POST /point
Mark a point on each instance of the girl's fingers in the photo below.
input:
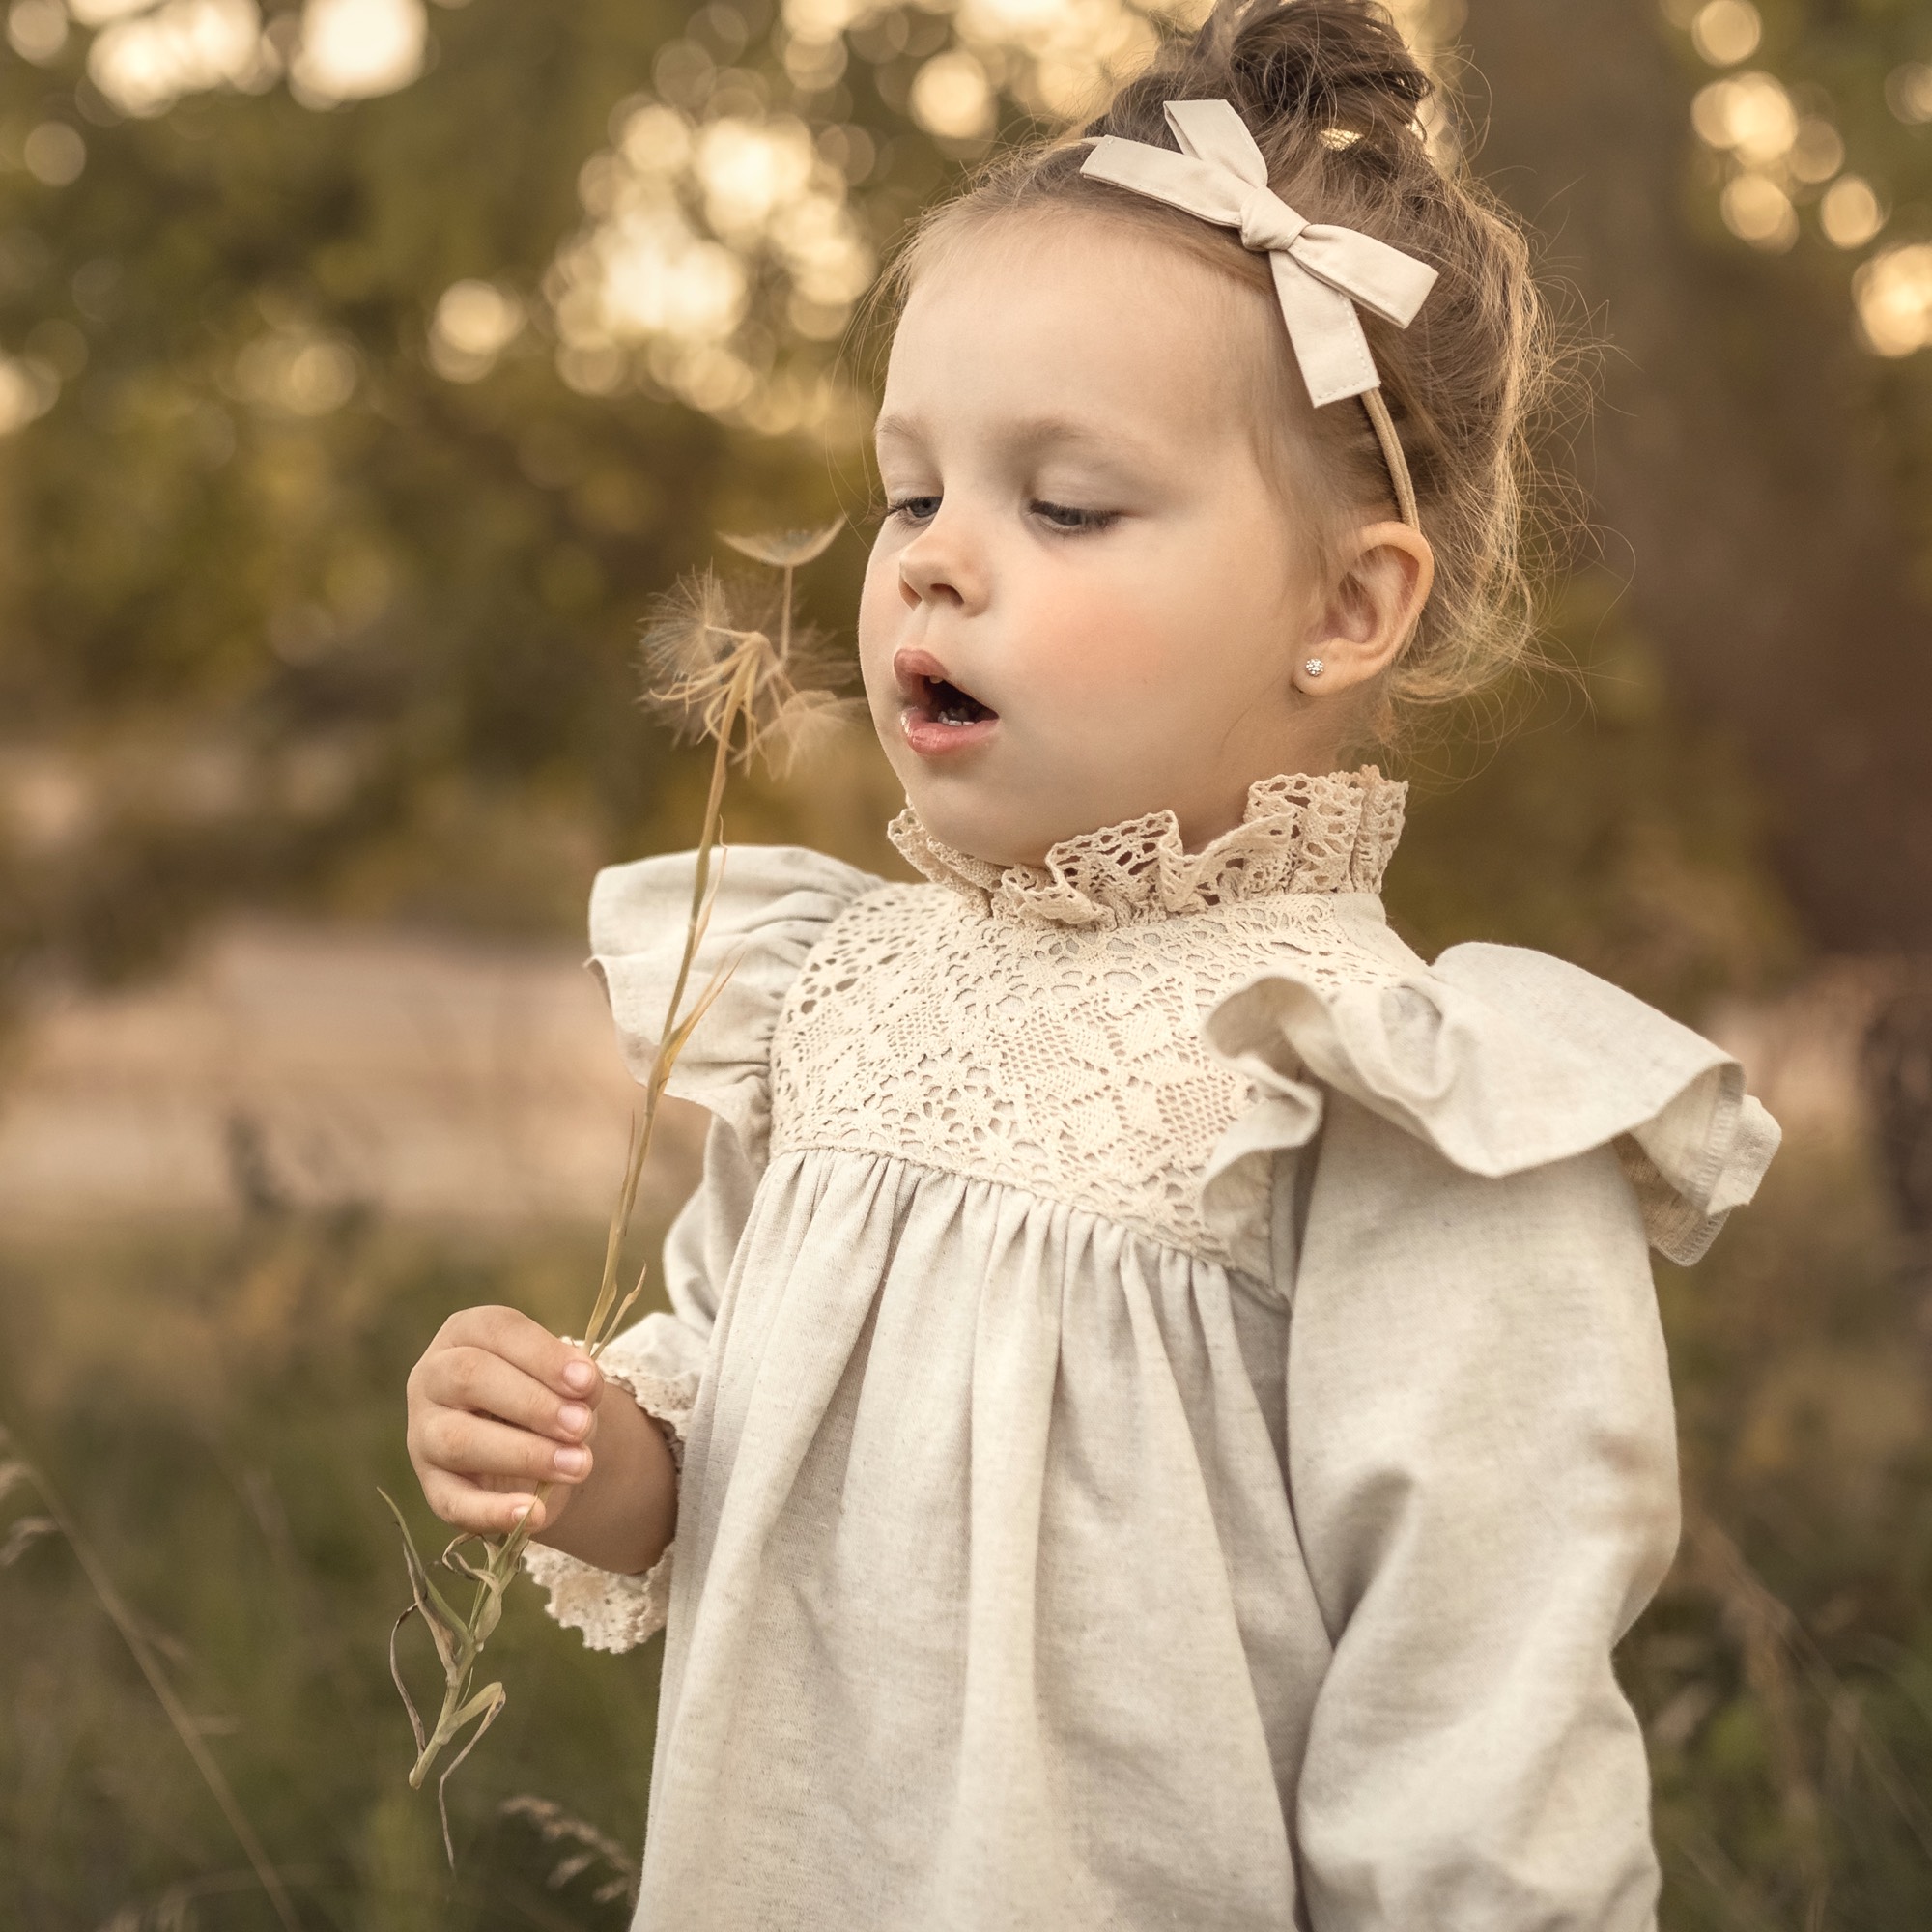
(469, 1377)
(467, 1505)
(560, 1366)
(454, 1440)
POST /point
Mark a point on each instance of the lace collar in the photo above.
(1333, 832)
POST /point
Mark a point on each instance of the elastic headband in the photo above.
(1321, 272)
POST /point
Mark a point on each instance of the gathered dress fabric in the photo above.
(1171, 1407)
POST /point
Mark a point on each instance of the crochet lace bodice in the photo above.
(1039, 1026)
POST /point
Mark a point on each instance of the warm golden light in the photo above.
(1849, 214)
(1750, 115)
(1893, 291)
(473, 324)
(951, 97)
(1726, 32)
(145, 62)
(1757, 211)
(351, 49)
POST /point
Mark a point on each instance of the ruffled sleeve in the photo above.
(772, 906)
(1502, 1059)
(1482, 1451)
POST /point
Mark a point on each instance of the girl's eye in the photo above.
(914, 509)
(1064, 517)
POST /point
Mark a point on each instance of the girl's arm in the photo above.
(1483, 1464)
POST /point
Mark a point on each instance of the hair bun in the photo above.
(1341, 63)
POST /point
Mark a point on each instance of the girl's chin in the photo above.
(979, 822)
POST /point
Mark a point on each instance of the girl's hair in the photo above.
(1333, 97)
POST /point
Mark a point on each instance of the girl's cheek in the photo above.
(880, 609)
(1102, 646)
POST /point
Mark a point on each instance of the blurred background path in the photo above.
(444, 1081)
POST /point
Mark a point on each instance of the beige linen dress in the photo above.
(1173, 1411)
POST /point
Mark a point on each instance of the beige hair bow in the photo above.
(1321, 273)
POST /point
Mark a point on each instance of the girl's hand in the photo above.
(498, 1405)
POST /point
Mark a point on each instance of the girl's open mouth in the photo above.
(939, 716)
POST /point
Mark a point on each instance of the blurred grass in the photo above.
(219, 1407)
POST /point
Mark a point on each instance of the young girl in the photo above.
(1163, 1415)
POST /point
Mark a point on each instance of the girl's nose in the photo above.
(936, 568)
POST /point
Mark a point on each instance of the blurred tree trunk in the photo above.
(1737, 453)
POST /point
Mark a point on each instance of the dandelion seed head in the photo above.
(724, 661)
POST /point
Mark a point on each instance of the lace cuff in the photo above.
(613, 1611)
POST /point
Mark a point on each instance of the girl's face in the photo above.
(1087, 602)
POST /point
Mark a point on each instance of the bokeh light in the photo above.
(1750, 116)
(296, 372)
(1894, 292)
(55, 154)
(37, 30)
(1726, 32)
(1907, 91)
(473, 324)
(707, 241)
(145, 61)
(1818, 152)
(354, 49)
(1758, 210)
(952, 97)
(1850, 212)
(28, 388)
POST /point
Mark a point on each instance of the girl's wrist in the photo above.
(623, 1514)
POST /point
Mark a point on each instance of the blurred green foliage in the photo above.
(219, 1409)
(1580, 810)
(380, 654)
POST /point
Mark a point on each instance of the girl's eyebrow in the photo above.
(1030, 434)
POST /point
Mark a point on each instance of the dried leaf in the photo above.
(454, 1557)
(786, 549)
(401, 1688)
(12, 1473)
(445, 1625)
(27, 1530)
(490, 1702)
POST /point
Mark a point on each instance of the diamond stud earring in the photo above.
(1314, 666)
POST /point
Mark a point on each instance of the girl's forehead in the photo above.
(1075, 318)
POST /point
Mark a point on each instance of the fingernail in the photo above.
(523, 1510)
(572, 1462)
(573, 1418)
(580, 1375)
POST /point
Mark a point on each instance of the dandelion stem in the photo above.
(741, 697)
(463, 1644)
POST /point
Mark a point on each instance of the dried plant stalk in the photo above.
(750, 695)
(59, 1519)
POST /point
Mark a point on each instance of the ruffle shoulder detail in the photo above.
(1502, 1059)
(772, 904)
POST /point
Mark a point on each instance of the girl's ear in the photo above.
(1372, 611)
